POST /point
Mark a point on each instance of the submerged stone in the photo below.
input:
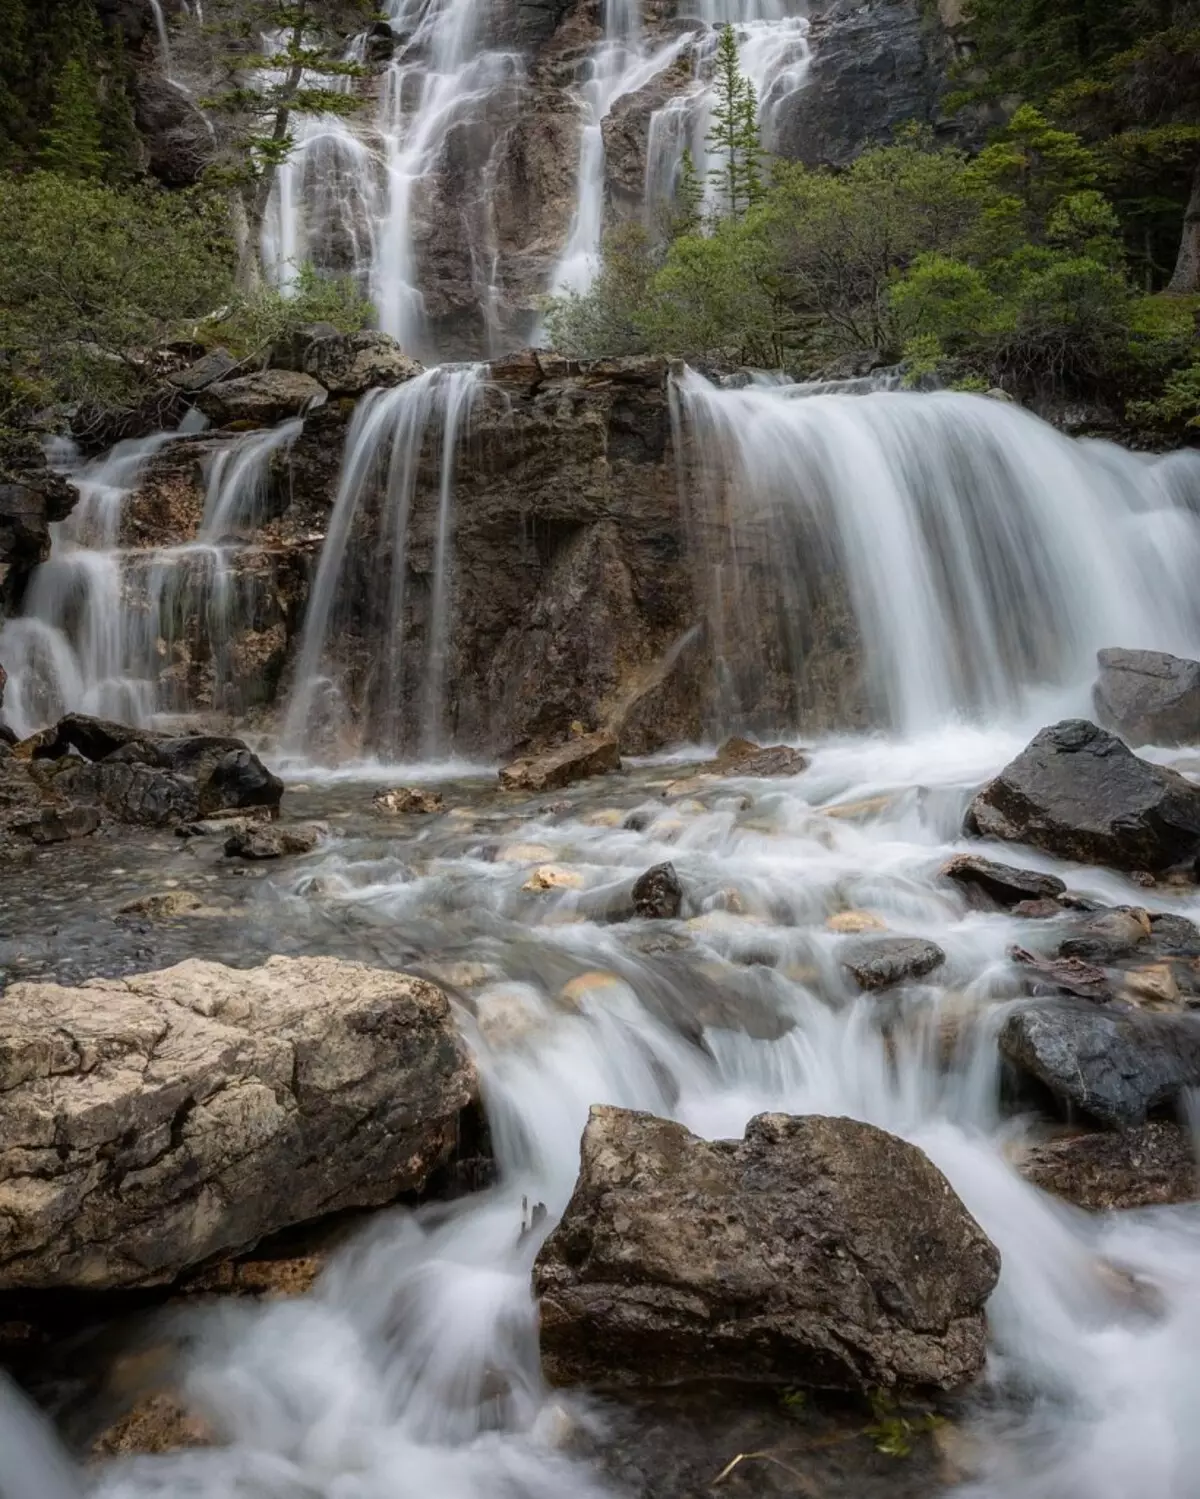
(881, 962)
(1150, 1166)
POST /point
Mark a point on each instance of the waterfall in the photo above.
(986, 557)
(383, 457)
(102, 622)
(164, 40)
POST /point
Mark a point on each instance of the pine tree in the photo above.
(689, 197)
(734, 136)
(302, 73)
(118, 127)
(72, 143)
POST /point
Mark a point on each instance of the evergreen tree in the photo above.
(300, 71)
(72, 143)
(689, 197)
(734, 136)
(118, 128)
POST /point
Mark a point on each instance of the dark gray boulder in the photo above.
(1149, 697)
(881, 962)
(1113, 1064)
(658, 893)
(816, 1251)
(1077, 792)
(990, 886)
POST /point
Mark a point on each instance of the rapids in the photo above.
(412, 1367)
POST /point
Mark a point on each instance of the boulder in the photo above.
(349, 364)
(658, 893)
(577, 760)
(407, 799)
(1149, 697)
(270, 840)
(262, 399)
(238, 779)
(214, 367)
(1077, 792)
(816, 1251)
(179, 138)
(154, 1121)
(1108, 936)
(290, 351)
(742, 757)
(989, 886)
(1138, 1168)
(1113, 1064)
(881, 962)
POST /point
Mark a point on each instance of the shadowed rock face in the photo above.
(1115, 1065)
(1138, 1168)
(1149, 697)
(1077, 792)
(152, 1122)
(816, 1251)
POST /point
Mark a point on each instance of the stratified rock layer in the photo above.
(151, 1122)
(816, 1251)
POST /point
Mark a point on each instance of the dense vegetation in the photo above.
(101, 267)
(1060, 260)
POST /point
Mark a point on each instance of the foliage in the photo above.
(734, 137)
(266, 316)
(92, 277)
(893, 1432)
(607, 317)
(1179, 404)
(302, 73)
(65, 90)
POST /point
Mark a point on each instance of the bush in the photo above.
(253, 322)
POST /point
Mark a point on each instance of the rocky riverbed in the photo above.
(823, 934)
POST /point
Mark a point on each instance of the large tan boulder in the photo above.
(817, 1251)
(577, 760)
(152, 1122)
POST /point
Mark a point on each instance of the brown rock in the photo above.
(158, 1423)
(577, 760)
(1150, 1166)
(152, 1122)
(816, 1251)
(407, 799)
(991, 886)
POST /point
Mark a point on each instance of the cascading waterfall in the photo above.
(102, 621)
(986, 557)
(384, 450)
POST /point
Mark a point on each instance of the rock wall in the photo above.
(584, 586)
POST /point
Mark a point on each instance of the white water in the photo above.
(411, 1370)
(102, 620)
(987, 557)
(381, 463)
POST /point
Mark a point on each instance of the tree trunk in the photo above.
(1186, 279)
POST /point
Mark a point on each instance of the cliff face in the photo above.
(497, 186)
(580, 584)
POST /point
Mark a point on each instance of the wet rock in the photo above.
(163, 904)
(989, 886)
(1037, 910)
(262, 399)
(57, 824)
(1149, 1166)
(742, 757)
(239, 779)
(553, 877)
(1149, 697)
(881, 962)
(155, 1121)
(158, 1423)
(1114, 1065)
(219, 365)
(349, 364)
(1174, 936)
(1063, 975)
(1108, 936)
(855, 922)
(407, 799)
(658, 893)
(816, 1252)
(1077, 792)
(290, 351)
(270, 840)
(577, 760)
(27, 509)
(1154, 985)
